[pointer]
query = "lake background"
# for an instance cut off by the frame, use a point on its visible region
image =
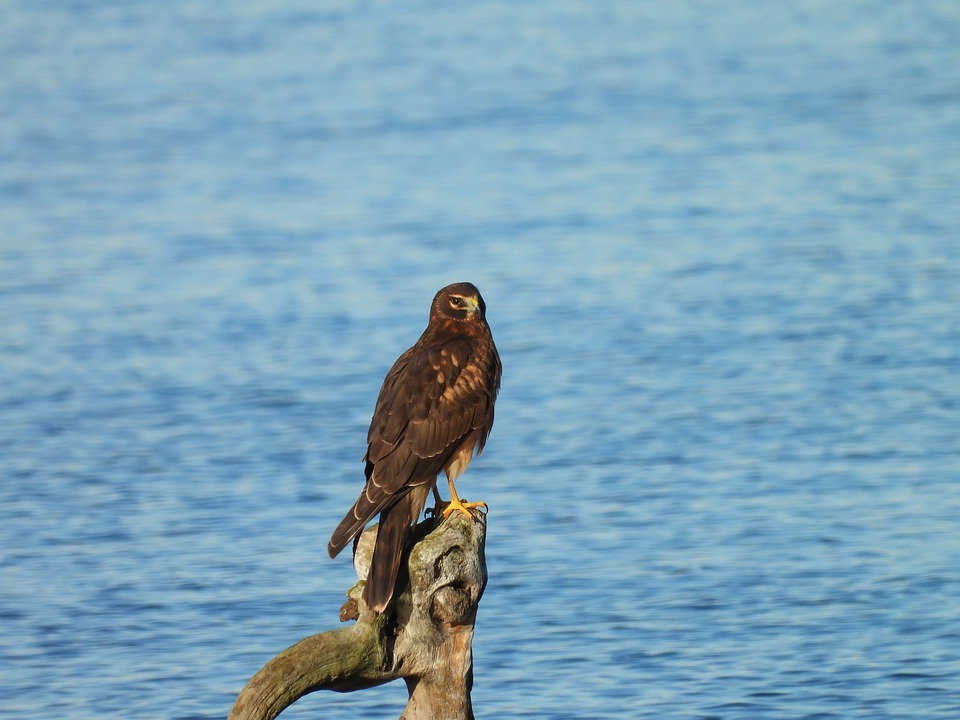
(719, 247)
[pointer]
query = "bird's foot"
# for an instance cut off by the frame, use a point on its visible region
(463, 506)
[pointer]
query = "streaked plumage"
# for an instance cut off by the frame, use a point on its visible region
(434, 412)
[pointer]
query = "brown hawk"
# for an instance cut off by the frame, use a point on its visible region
(434, 412)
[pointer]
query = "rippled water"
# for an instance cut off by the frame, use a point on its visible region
(719, 247)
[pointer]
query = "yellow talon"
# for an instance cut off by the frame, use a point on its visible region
(464, 507)
(461, 505)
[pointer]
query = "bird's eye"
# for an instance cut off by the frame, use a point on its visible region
(457, 302)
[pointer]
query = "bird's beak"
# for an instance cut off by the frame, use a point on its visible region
(472, 304)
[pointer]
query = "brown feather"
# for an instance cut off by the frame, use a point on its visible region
(434, 411)
(395, 524)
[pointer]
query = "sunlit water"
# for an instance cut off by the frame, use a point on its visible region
(719, 247)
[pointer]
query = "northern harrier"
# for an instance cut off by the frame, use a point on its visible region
(434, 412)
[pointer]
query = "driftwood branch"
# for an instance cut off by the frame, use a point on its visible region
(425, 636)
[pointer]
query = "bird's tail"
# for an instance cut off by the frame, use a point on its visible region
(395, 524)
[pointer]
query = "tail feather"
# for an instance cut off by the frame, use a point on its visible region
(395, 525)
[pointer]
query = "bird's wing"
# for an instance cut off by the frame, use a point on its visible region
(434, 396)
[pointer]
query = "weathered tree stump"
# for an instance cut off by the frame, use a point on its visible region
(425, 636)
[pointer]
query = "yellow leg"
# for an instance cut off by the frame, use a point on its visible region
(456, 504)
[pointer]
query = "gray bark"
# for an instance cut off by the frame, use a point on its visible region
(425, 636)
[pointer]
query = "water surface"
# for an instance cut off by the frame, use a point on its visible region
(719, 249)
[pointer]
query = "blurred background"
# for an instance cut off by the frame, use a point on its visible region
(719, 248)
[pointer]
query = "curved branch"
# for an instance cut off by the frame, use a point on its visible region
(345, 659)
(424, 638)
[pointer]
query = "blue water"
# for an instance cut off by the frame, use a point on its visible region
(720, 251)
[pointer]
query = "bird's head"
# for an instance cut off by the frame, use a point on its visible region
(460, 301)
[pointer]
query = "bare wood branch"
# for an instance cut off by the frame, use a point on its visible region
(424, 637)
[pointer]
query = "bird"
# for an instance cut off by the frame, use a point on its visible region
(434, 413)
